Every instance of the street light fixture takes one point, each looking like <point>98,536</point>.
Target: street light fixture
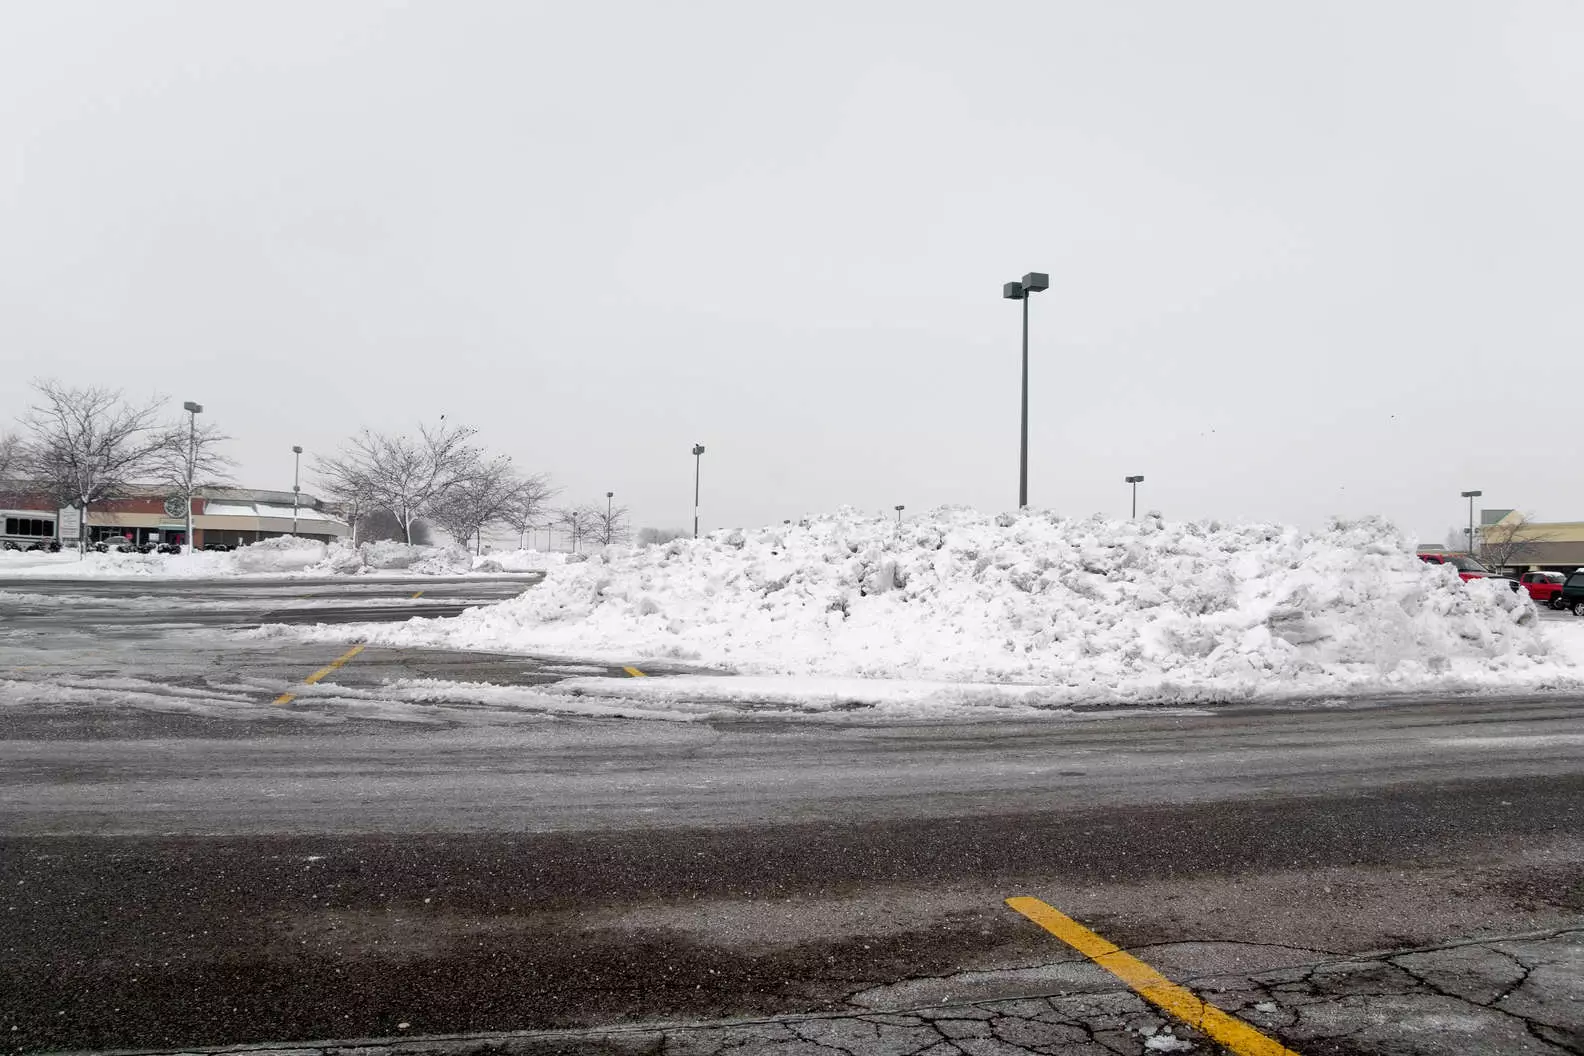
<point>297,485</point>
<point>899,510</point>
<point>1135,481</point>
<point>1471,496</point>
<point>193,410</point>
<point>698,463</point>
<point>1033,282</point>
<point>609,495</point>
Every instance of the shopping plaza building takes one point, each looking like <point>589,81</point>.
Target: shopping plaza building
<point>152,514</point>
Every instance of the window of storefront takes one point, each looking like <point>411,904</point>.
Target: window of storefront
<point>34,527</point>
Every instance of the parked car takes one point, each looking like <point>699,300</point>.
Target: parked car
<point>1467,567</point>
<point>1572,596</point>
<point>1544,587</point>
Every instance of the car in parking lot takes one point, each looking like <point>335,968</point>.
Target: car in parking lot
<point>1572,596</point>
<point>1467,567</point>
<point>1544,587</point>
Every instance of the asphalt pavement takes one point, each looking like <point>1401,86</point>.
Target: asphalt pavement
<point>185,865</point>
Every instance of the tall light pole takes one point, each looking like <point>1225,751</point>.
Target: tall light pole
<point>1471,496</point>
<point>1033,282</point>
<point>899,510</point>
<point>698,464</point>
<point>609,495</point>
<point>1135,481</point>
<point>193,410</point>
<point>297,484</point>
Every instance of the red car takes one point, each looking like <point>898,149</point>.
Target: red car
<point>1467,567</point>
<point>1544,587</point>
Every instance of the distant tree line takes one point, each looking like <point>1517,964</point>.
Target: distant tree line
<point>80,446</point>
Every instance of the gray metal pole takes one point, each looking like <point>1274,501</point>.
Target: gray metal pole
<point>698,466</point>
<point>1471,527</point>
<point>192,454</point>
<point>1023,450</point>
<point>1134,514</point>
<point>296,485</point>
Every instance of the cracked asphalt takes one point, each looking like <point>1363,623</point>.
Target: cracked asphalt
<point>1401,876</point>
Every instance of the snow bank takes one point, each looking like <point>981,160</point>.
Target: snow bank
<point>1088,609</point>
<point>284,556</point>
<point>519,561</point>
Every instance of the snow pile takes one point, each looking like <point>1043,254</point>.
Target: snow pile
<point>283,556</point>
<point>387,556</point>
<point>280,556</point>
<point>1089,609</point>
<point>519,561</point>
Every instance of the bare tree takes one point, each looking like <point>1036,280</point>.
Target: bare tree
<point>484,498</point>
<point>405,476</point>
<point>579,521</point>
<point>658,536</point>
<point>529,508</point>
<point>187,457</point>
<point>12,456</point>
<point>611,524</point>
<point>1507,543</point>
<point>86,444</point>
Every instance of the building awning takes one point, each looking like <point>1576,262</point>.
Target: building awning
<point>1568,554</point>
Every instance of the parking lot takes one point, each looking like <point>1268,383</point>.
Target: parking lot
<point>190,863</point>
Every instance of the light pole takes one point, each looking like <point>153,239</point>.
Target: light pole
<point>609,495</point>
<point>1471,496</point>
<point>698,464</point>
<point>1033,282</point>
<point>193,410</point>
<point>1135,481</point>
<point>899,510</point>
<point>296,484</point>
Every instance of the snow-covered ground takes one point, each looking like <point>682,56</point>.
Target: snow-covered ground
<point>1028,609</point>
<point>286,556</point>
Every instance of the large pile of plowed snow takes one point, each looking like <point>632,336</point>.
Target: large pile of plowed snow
<point>1094,609</point>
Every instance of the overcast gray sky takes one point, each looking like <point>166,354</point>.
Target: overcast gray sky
<point>1304,259</point>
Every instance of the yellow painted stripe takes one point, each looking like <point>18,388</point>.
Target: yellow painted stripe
<point>634,672</point>
<point>417,593</point>
<point>287,698</point>
<point>1237,1036</point>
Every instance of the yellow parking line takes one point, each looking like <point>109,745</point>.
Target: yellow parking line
<point>417,593</point>
<point>287,698</point>
<point>634,672</point>
<point>1237,1036</point>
